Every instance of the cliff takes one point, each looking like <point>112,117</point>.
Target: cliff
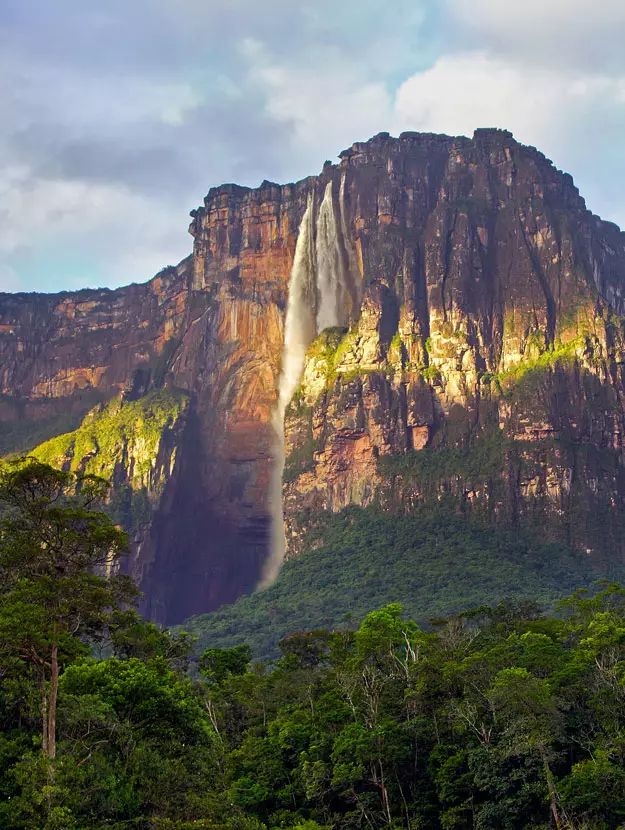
<point>469,344</point>
<point>486,363</point>
<point>206,336</point>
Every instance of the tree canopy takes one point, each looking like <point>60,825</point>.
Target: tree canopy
<point>503,717</point>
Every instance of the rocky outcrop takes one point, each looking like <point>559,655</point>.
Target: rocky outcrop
<point>487,362</point>
<point>133,444</point>
<point>210,328</point>
<point>483,322</point>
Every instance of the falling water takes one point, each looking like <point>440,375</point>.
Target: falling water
<point>332,309</point>
<point>320,297</point>
<point>299,332</point>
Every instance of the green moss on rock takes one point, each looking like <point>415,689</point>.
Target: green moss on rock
<point>129,443</point>
<point>118,440</point>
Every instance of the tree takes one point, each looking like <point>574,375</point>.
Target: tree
<point>58,585</point>
<point>216,664</point>
<point>132,636</point>
<point>136,744</point>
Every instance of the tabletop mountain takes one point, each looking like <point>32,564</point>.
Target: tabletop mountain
<point>433,318</point>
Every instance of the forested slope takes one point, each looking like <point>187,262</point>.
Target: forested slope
<point>500,717</point>
<point>433,561</point>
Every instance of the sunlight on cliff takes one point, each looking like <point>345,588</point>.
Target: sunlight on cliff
<point>299,332</point>
<point>319,298</point>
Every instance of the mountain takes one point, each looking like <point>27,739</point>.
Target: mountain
<point>486,359</point>
<point>435,319</point>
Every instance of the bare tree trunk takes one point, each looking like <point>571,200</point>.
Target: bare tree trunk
<point>54,688</point>
<point>44,712</point>
<point>384,793</point>
<point>553,795</point>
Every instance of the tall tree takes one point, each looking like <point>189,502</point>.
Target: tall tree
<point>58,584</point>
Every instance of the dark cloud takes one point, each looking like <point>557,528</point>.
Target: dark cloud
<point>154,158</point>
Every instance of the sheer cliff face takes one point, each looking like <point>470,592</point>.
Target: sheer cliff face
<point>208,333</point>
<point>482,357</point>
<point>487,362</point>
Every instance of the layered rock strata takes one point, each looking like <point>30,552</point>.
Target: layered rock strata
<point>479,355</point>
<point>487,362</point>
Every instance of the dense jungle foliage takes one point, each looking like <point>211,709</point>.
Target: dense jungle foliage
<point>122,426</point>
<point>500,717</point>
<point>432,561</point>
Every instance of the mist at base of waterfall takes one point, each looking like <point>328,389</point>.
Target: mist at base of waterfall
<point>320,297</point>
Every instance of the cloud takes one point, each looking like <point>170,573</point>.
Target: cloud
<point>66,227</point>
<point>465,91</point>
<point>123,110</point>
<point>118,117</point>
<point>323,104</point>
<point>575,33</point>
<point>576,117</point>
<point>362,31</point>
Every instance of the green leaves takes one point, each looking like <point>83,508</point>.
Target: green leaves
<point>433,562</point>
<point>500,717</point>
<point>595,790</point>
<point>216,664</point>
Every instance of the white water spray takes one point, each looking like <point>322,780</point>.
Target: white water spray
<point>332,310</point>
<point>320,297</point>
<point>299,332</point>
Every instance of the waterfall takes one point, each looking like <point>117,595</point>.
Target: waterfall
<point>320,297</point>
<point>299,332</point>
<point>332,310</point>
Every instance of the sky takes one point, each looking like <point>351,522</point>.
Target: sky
<point>117,116</point>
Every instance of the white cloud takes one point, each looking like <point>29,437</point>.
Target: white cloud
<point>576,118</point>
<point>76,220</point>
<point>462,92</point>
<point>324,102</point>
<point>556,32</point>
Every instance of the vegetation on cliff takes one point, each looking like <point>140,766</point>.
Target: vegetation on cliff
<point>25,433</point>
<point>123,432</point>
<point>127,442</point>
<point>500,717</point>
<point>518,483</point>
<point>538,445</point>
<point>432,561</point>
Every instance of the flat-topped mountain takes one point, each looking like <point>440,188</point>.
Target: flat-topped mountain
<point>433,318</point>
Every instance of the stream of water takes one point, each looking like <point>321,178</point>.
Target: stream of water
<point>318,299</point>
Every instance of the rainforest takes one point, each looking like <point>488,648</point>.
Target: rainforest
<point>503,715</point>
<point>323,527</point>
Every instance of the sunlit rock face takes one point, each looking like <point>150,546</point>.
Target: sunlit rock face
<point>475,349</point>
<point>486,364</point>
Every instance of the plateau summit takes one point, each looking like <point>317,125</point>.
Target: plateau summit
<point>432,318</point>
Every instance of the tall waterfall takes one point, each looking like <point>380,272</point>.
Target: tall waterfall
<point>299,332</point>
<point>332,310</point>
<point>320,297</point>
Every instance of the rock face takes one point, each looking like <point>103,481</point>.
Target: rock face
<point>487,362</point>
<point>482,360</point>
<point>208,331</point>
